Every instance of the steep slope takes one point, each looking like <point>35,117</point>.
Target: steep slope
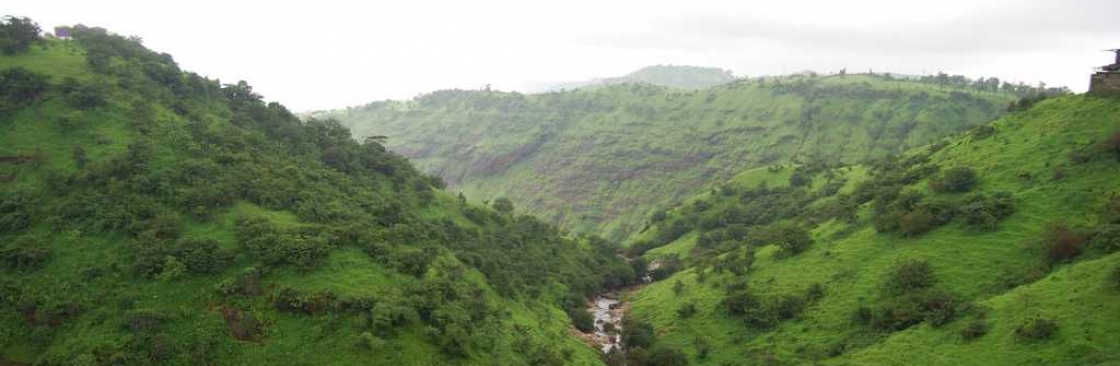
<point>600,160</point>
<point>997,247</point>
<point>152,216</point>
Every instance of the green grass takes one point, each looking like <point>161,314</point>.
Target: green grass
<point>852,263</point>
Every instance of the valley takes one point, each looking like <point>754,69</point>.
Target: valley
<point>602,160</point>
<point>672,216</point>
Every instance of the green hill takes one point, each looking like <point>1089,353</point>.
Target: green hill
<point>151,216</point>
<point>996,247</point>
<point>602,159</point>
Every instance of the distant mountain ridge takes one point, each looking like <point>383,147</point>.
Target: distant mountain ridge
<point>601,159</point>
<point>674,76</point>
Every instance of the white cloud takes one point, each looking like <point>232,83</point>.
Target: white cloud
<point>329,54</point>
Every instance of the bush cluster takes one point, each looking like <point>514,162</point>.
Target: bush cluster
<point>956,179</point>
<point>910,299</point>
<point>25,254</point>
<point>765,313</point>
<point>1036,329</point>
<point>1064,244</point>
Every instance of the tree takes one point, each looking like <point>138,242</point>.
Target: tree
<point>636,333</point>
<point>910,276</point>
<point>17,34</point>
<point>916,223</point>
<point>791,238</point>
<point>80,158</point>
<point>503,205</point>
<point>1112,144</point>
<point>1064,244</point>
<point>956,179</point>
<point>582,320</point>
<point>19,86</point>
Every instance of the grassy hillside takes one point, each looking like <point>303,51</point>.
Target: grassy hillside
<point>601,160</point>
<point>997,247</point>
<point>152,216</point>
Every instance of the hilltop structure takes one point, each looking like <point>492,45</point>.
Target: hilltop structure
<point>1107,80</point>
<point>62,32</point>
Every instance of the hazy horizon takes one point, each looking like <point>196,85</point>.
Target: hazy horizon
<point>338,54</point>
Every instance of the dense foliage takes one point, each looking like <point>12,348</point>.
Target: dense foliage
<point>152,216</point>
<point>17,34</point>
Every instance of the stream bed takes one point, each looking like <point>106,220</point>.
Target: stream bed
<point>608,315</point>
<point>608,309</point>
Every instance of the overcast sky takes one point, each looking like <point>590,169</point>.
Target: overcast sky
<point>331,54</point>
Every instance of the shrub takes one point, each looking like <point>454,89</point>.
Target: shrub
<point>202,255</point>
<point>503,205</point>
<point>982,132</point>
<point>665,356</point>
<point>799,178</point>
<point>636,333</point>
<point>244,326</point>
<point>668,266</point>
<point>955,179</point>
<point>1116,277</point>
<point>19,86</point>
<point>740,301</point>
<point>15,210</point>
<point>1036,329</point>
<point>144,321</point>
<point>248,283</point>
<point>917,223</point>
<point>791,238</point>
<point>933,307</point>
<point>974,329</point>
<point>703,348</point>
<point>26,254</point>
<point>939,308</point>
<point>687,310</point>
<point>291,301</point>
<point>582,320</point>
<point>942,211</point>
<point>815,292</point>
<point>370,342</point>
<point>910,276</point>
<point>1064,244</point>
<point>897,314</point>
<point>1106,238</point>
<point>302,248</point>
<point>983,212</point>
<point>1112,145</point>
<point>387,315</point>
<point>787,307</point>
<point>886,222</point>
<point>171,269</point>
<point>79,156</point>
<point>84,96</point>
<point>1111,214</point>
